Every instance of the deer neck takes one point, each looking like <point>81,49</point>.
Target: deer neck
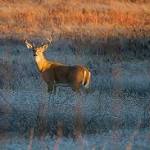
<point>42,62</point>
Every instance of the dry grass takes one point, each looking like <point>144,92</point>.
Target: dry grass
<point>22,19</point>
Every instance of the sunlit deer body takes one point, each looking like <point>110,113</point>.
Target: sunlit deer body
<point>54,73</point>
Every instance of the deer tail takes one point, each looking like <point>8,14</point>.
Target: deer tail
<point>86,78</point>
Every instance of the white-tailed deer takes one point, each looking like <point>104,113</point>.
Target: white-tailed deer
<point>55,73</point>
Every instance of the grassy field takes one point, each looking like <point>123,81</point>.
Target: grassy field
<point>115,114</point>
<point>111,38</point>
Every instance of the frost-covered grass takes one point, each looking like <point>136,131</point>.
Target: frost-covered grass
<point>120,139</point>
<point>116,106</point>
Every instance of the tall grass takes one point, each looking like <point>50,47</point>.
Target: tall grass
<point>21,19</point>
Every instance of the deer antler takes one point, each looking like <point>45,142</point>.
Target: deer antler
<point>29,45</point>
<point>49,40</point>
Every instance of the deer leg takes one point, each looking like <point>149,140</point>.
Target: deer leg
<point>50,88</point>
<point>79,126</point>
<point>54,89</point>
<point>76,87</point>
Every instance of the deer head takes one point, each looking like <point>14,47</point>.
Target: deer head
<point>37,50</point>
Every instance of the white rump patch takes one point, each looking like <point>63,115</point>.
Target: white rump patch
<point>88,80</point>
<point>84,77</point>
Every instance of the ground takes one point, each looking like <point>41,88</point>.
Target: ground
<point>115,110</point>
<point>111,38</point>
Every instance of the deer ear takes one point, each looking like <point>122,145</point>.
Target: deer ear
<point>45,46</point>
<point>29,46</point>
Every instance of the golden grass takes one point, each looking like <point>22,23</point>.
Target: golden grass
<point>23,19</point>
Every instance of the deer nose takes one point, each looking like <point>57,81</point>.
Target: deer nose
<point>34,54</point>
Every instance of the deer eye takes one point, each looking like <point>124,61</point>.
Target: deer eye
<point>34,50</point>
